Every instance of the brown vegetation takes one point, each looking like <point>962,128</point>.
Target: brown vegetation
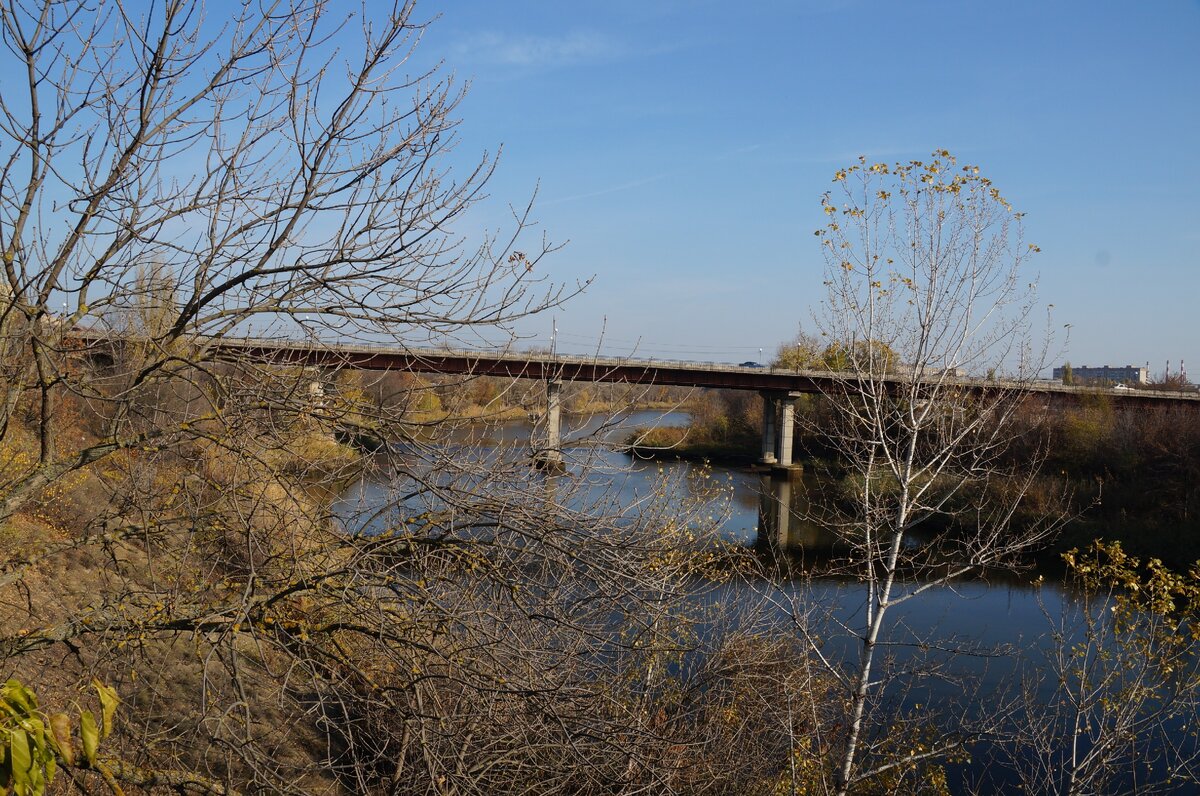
<point>169,511</point>
<point>724,426</point>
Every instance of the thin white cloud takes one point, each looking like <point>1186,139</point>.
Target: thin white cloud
<point>492,47</point>
<point>872,154</point>
<point>730,154</point>
<point>603,191</point>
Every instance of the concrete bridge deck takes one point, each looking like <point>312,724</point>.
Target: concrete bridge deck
<point>633,370</point>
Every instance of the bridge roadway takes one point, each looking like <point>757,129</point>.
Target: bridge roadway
<point>630,370</point>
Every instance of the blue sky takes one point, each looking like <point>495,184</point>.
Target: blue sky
<point>682,148</point>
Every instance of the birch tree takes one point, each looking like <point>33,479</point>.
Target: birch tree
<point>923,260</point>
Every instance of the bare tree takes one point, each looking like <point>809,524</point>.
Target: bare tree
<point>922,270</point>
<point>278,167</point>
<point>170,508</point>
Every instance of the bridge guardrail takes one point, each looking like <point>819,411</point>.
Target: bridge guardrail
<point>508,354</point>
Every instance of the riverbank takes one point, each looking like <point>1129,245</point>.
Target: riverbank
<point>506,413</point>
<point>682,443</point>
<point>1127,477</point>
<point>722,429</point>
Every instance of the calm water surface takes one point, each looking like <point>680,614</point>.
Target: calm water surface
<point>1004,613</point>
<point>1003,608</point>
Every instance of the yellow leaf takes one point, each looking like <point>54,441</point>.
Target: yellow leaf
<point>60,731</point>
<point>90,736</point>
<point>108,704</point>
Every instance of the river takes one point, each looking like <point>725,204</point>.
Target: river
<point>1005,620</point>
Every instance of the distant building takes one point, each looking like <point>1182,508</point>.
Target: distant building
<point>1110,375</point>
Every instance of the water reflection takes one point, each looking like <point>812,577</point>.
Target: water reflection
<point>784,512</point>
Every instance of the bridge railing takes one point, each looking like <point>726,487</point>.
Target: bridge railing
<point>507,353</point>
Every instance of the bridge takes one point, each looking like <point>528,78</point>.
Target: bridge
<point>632,370</point>
<point>779,387</point>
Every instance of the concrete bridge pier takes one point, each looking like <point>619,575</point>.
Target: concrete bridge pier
<point>321,383</point>
<point>550,457</point>
<point>770,417</point>
<point>779,420</point>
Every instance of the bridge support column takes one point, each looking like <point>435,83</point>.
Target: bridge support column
<point>550,457</point>
<point>779,420</point>
<point>321,382</point>
<point>787,421</point>
<point>770,416</point>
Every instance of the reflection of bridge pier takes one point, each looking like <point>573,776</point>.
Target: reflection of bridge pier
<point>785,517</point>
<point>775,510</point>
<point>778,427</point>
